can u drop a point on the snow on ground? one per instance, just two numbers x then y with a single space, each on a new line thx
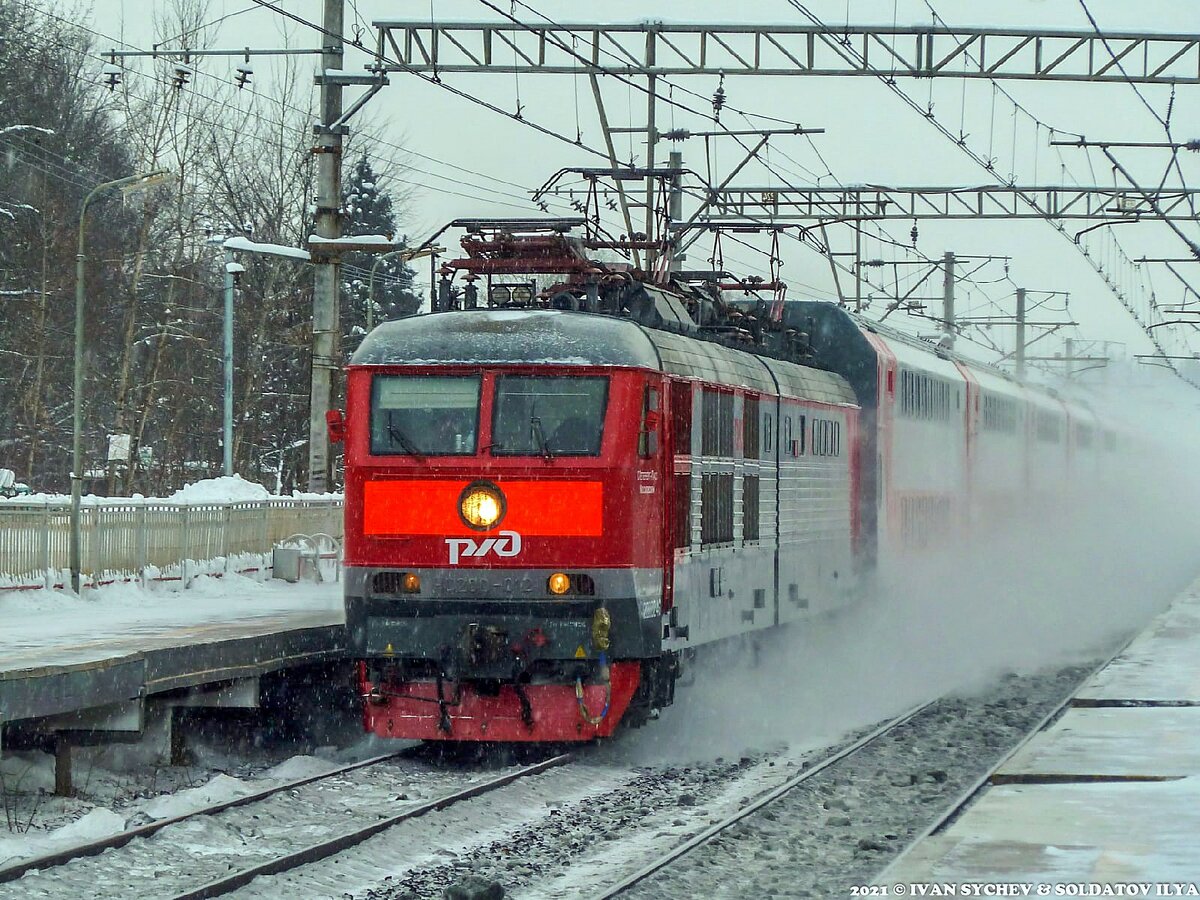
225 489
124 617
120 791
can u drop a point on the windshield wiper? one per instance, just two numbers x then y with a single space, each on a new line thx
402 439
540 436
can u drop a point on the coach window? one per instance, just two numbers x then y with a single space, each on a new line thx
750 507
418 415
538 415
716 429
681 417
681 518
750 443
716 509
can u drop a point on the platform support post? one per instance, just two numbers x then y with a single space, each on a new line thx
62 766
179 755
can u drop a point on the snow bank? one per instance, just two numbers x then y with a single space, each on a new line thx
299 767
91 826
226 489
220 789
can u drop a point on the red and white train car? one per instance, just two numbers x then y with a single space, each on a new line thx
547 510
947 443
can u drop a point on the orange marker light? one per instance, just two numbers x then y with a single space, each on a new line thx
558 583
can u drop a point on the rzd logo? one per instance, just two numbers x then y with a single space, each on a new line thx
508 544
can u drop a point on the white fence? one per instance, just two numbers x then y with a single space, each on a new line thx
149 539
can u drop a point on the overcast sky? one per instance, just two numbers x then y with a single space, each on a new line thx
466 161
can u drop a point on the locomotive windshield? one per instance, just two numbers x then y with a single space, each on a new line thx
549 415
418 415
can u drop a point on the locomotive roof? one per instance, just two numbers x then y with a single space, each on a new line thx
554 337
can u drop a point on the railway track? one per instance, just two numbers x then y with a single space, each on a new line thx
708 834
218 849
950 813
93 848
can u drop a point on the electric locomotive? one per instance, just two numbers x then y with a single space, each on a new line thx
552 500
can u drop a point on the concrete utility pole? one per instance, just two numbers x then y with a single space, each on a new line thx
651 140
675 207
327 269
1019 353
948 298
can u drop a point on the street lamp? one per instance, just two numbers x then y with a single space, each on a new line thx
406 255
129 184
232 269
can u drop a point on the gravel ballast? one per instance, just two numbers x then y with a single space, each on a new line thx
838 829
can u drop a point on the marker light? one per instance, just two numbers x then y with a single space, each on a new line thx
481 505
412 583
558 583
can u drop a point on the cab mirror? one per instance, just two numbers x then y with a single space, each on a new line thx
336 424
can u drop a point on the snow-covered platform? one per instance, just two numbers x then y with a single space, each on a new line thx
60 654
1108 794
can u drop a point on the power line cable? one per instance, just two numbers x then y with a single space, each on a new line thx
283 104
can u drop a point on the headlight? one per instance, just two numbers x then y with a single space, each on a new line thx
481 505
559 583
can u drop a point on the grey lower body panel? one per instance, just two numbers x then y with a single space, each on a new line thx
501 631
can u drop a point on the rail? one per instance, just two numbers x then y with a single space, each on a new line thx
765 799
151 539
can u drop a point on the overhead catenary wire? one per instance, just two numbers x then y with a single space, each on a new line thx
850 54
673 104
284 105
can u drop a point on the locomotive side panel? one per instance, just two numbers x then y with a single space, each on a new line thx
766 535
818 481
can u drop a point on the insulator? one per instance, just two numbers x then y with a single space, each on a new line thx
718 100
913 234
183 75
112 76
242 78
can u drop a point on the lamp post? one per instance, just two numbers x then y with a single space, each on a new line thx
129 184
371 286
407 255
231 269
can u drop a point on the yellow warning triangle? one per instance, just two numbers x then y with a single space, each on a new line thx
579 654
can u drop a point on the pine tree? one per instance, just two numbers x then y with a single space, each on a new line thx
369 209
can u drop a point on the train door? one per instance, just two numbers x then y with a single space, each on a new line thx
677 455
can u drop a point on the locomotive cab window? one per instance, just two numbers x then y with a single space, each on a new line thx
424 415
538 415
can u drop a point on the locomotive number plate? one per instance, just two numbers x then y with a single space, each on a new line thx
452 585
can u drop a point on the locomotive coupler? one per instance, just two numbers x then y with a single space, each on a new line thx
483 645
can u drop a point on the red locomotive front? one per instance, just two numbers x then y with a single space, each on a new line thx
504 526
